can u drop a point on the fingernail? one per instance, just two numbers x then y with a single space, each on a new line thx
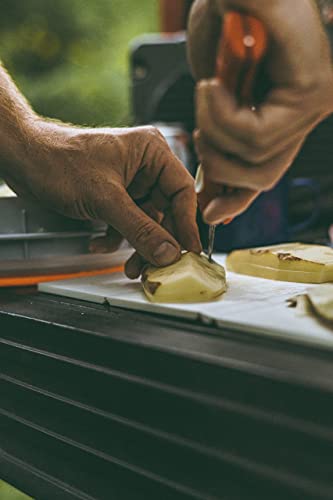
166 254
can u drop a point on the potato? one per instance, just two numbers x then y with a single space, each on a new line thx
192 279
296 262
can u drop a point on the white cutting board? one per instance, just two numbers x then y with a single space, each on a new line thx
250 305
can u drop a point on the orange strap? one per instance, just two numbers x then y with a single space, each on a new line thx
34 280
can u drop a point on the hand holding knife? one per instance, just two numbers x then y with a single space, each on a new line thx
241 50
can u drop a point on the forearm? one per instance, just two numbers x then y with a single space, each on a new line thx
26 137
16 122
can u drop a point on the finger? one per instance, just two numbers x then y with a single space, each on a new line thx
213 126
291 58
136 263
171 219
151 241
134 266
152 211
113 239
182 216
141 185
177 185
108 243
169 225
159 200
223 169
229 206
250 135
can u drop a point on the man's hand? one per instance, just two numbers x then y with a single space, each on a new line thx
247 150
129 178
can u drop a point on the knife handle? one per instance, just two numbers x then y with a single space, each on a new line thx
241 51
242 48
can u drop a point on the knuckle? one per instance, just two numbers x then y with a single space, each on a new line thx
200 90
98 195
149 134
154 133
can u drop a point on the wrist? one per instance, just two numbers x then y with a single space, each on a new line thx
16 140
27 144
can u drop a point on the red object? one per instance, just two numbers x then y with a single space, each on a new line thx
242 49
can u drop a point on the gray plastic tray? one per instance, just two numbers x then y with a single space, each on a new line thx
29 231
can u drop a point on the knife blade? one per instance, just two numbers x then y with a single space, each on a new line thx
211 241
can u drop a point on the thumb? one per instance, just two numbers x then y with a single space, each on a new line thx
149 239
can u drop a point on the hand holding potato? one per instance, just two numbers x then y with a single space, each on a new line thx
128 178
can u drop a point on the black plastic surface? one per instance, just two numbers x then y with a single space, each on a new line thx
101 403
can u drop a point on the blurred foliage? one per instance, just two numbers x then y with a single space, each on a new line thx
70 57
9 493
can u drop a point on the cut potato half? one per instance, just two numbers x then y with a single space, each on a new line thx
296 262
192 279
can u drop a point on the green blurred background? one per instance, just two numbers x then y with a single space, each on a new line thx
69 58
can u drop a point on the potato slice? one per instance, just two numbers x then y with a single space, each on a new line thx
296 262
192 279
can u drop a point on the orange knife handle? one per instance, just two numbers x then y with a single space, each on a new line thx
242 48
241 51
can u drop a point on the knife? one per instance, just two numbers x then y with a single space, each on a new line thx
241 51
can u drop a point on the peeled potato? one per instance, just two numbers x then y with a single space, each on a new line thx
295 262
192 279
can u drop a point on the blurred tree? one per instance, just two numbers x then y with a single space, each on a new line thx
69 57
